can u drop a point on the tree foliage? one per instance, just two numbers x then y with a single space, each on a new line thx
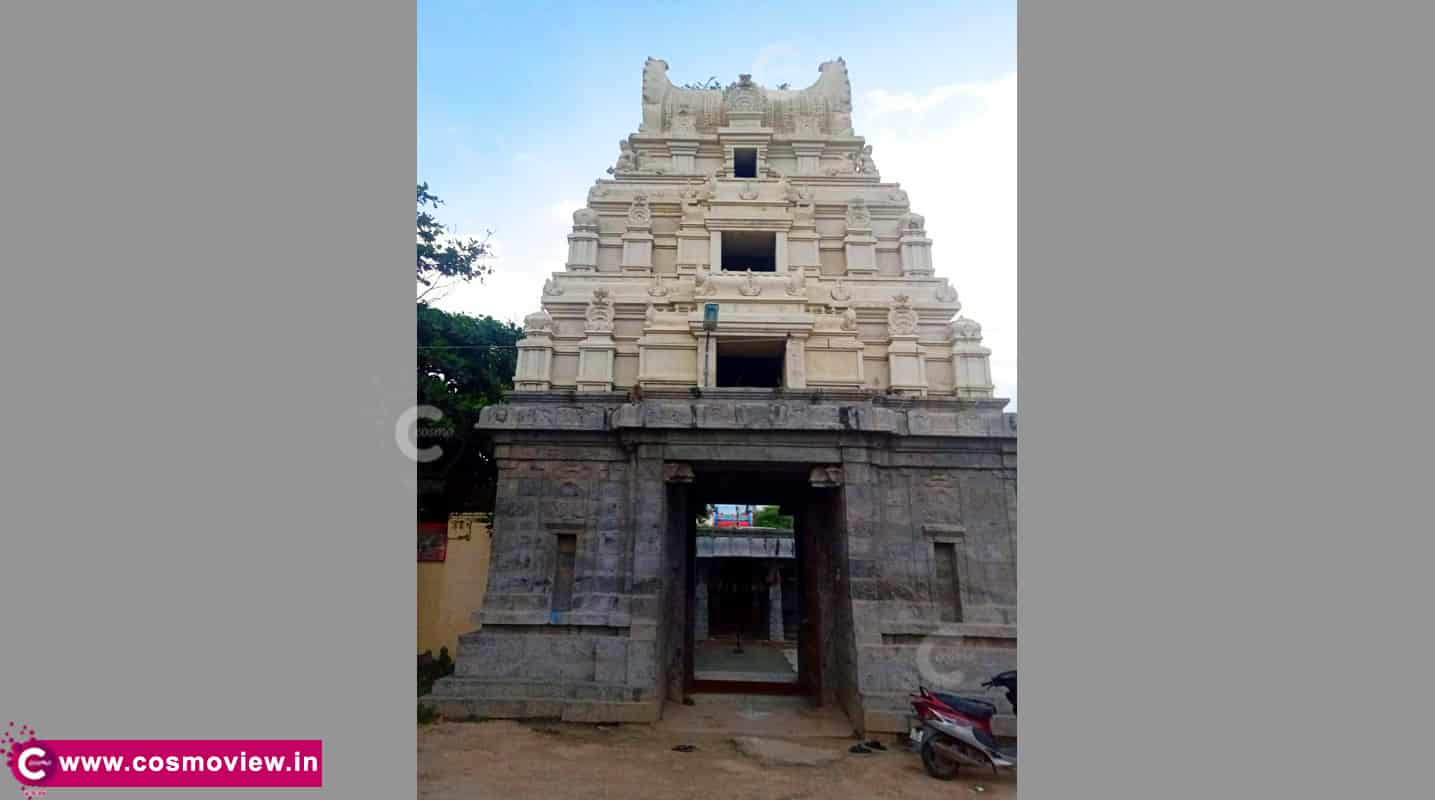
445 259
464 364
772 517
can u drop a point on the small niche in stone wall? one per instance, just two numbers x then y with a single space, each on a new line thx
947 592
563 571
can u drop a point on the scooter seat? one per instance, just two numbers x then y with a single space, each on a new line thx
979 710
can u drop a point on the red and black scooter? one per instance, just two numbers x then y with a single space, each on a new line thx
953 731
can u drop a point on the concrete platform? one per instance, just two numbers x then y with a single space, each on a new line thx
755 715
760 662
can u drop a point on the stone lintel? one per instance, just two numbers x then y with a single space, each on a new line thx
944 531
750 409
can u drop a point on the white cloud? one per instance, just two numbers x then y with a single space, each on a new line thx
880 102
524 258
772 62
958 163
562 211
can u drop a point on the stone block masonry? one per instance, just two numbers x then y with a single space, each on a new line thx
895 503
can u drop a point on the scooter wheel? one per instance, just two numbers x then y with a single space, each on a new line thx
938 766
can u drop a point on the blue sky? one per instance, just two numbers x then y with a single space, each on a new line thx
521 107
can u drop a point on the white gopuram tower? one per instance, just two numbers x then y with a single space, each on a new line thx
764 203
748 314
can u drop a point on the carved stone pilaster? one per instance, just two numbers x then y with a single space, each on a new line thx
802 240
774 607
596 351
583 242
906 360
684 153
916 248
638 241
795 368
693 235
971 363
535 354
809 154
859 243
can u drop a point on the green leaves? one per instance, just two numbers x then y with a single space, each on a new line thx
771 517
440 254
464 363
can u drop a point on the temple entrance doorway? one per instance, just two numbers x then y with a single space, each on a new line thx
753 611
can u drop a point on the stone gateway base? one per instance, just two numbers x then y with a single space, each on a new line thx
904 548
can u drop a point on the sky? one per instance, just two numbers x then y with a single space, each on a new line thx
521 107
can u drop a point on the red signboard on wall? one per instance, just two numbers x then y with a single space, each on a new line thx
433 541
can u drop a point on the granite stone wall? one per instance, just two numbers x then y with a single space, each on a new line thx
897 485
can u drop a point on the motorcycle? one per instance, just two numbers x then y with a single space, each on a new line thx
956 731
1007 681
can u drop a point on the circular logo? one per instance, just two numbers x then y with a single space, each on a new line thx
930 652
33 763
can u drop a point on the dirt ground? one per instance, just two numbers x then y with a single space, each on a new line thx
512 760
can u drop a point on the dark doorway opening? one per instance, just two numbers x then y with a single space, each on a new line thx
753 614
749 250
786 568
754 364
740 603
744 162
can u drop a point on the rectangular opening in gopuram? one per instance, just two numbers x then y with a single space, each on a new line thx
744 162
752 364
749 250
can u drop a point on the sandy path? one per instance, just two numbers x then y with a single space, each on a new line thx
509 760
